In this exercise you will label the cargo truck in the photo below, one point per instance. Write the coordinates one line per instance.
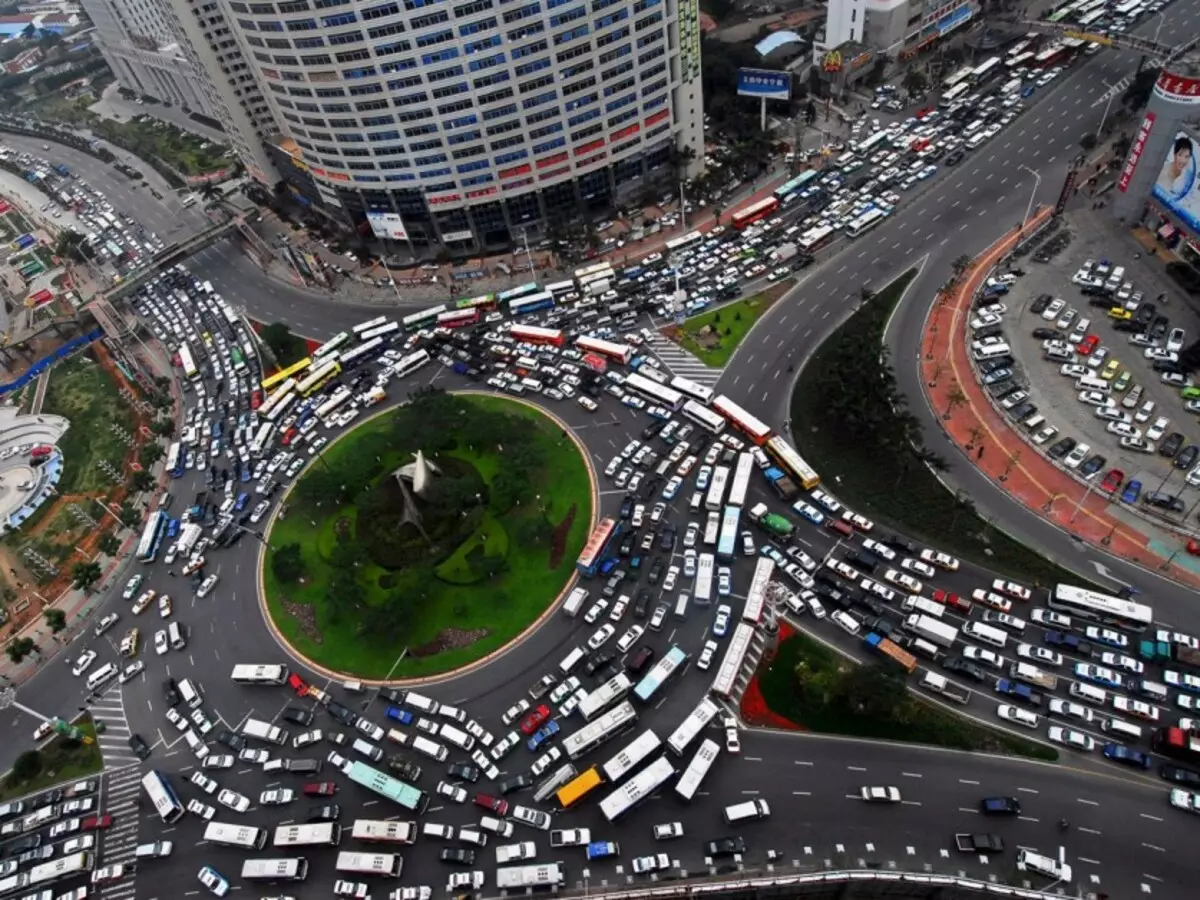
(1176, 743)
(782, 484)
(784, 252)
(931, 629)
(887, 648)
(372, 397)
(1033, 675)
(596, 288)
(771, 522)
(939, 684)
(1163, 650)
(1018, 691)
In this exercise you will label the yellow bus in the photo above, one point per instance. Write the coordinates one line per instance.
(284, 374)
(579, 787)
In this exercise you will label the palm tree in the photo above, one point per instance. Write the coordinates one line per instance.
(976, 434)
(954, 400)
(1010, 464)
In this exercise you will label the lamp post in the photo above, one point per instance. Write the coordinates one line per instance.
(1162, 20)
(1037, 183)
(1112, 93)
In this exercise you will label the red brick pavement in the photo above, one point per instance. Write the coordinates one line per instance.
(996, 450)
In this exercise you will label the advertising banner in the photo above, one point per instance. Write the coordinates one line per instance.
(1135, 152)
(1178, 187)
(1178, 88)
(387, 226)
(764, 84)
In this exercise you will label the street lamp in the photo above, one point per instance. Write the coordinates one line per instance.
(1162, 20)
(1112, 92)
(1037, 183)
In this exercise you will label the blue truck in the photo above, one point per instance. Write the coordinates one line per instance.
(782, 483)
(1018, 691)
(61, 169)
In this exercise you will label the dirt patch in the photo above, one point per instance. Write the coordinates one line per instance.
(306, 618)
(341, 527)
(558, 540)
(449, 639)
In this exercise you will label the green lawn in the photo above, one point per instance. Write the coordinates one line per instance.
(504, 606)
(82, 392)
(146, 136)
(61, 762)
(826, 703)
(902, 495)
(731, 323)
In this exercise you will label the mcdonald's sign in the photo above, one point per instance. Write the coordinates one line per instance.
(832, 62)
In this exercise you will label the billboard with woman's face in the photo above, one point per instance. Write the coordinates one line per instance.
(1178, 186)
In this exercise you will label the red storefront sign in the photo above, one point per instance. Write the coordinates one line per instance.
(1135, 152)
(482, 192)
(1178, 88)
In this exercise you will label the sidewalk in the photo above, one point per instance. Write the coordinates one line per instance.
(990, 444)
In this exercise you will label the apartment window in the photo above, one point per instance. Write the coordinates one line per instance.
(318, 59)
(346, 18)
(577, 69)
(294, 7)
(335, 107)
(623, 84)
(542, 116)
(392, 163)
(422, 146)
(313, 122)
(522, 12)
(239, 7)
(410, 99)
(352, 138)
(331, 92)
(432, 160)
(431, 19)
(617, 71)
(483, 44)
(478, 65)
(578, 102)
(330, 4)
(298, 25)
(652, 38)
(443, 74)
(379, 12)
(504, 127)
(305, 43)
(438, 37)
(470, 9)
(584, 133)
(450, 90)
(505, 158)
(489, 80)
(262, 9)
(397, 84)
(545, 131)
(393, 47)
(611, 37)
(528, 69)
(399, 65)
(465, 138)
(649, 55)
(353, 56)
(646, 21)
(500, 112)
(346, 37)
(420, 130)
(468, 152)
(621, 118)
(444, 55)
(361, 90)
(343, 123)
(529, 49)
(643, 5)
(578, 86)
(384, 136)
(363, 72)
(565, 18)
(651, 71)
(377, 121)
(536, 83)
(447, 109)
(583, 117)
(619, 16)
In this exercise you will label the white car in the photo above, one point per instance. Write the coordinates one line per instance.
(732, 742)
(176, 718)
(1050, 618)
(595, 612)
(452, 792)
(924, 569)
(1012, 589)
(161, 645)
(880, 794)
(515, 711)
(900, 579)
(213, 881)
(254, 755)
(706, 655)
(218, 761)
(203, 810)
(546, 760)
(666, 831)
(1069, 737)
(86, 658)
(202, 781)
(603, 633)
(627, 640)
(984, 656)
(671, 578)
(560, 693)
(233, 800)
(1069, 710)
(1017, 715)
(505, 745)
(1039, 654)
(1121, 661)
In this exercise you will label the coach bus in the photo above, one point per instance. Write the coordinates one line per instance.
(816, 238)
(458, 318)
(740, 485)
(561, 287)
(397, 791)
(175, 459)
(409, 364)
(384, 831)
(260, 674)
(865, 222)
(535, 875)
(355, 355)
(799, 183)
(424, 319)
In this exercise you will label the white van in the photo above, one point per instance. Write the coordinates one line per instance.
(432, 749)
(1088, 693)
(175, 636)
(681, 606)
(1154, 690)
(154, 850)
(101, 675)
(1032, 861)
(976, 139)
(457, 737)
(196, 744)
(751, 809)
(1092, 383)
(422, 703)
(453, 713)
(1122, 728)
(190, 693)
(1034, 422)
(985, 633)
(369, 750)
(991, 351)
(571, 660)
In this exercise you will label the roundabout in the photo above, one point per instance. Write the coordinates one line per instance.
(427, 537)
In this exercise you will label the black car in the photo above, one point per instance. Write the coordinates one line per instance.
(1163, 500)
(652, 429)
(1179, 775)
(516, 783)
(666, 539)
(457, 856)
(1048, 334)
(465, 771)
(1171, 444)
(330, 812)
(297, 715)
(656, 571)
(955, 157)
(597, 662)
(171, 692)
(1062, 448)
(343, 714)
(1000, 806)
(640, 660)
(232, 740)
(965, 667)
(1187, 457)
(407, 770)
(1038, 306)
(48, 799)
(642, 604)
(21, 845)
(627, 507)
(1093, 465)
(139, 747)
(726, 846)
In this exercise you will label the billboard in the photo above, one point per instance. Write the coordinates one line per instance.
(387, 226)
(1135, 152)
(1178, 88)
(1177, 187)
(764, 84)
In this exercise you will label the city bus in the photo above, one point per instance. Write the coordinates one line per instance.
(409, 364)
(1019, 47)
(362, 327)
(483, 302)
(716, 489)
(315, 379)
(962, 75)
(622, 353)
(336, 399)
(605, 696)
(727, 544)
(704, 417)
(175, 459)
(293, 868)
(654, 392)
(364, 351)
(332, 345)
(633, 755)
(425, 319)
(658, 676)
(284, 374)
(163, 797)
(816, 238)
(613, 723)
(692, 390)
(578, 788)
(458, 318)
(244, 836)
(693, 775)
(383, 331)
(397, 791)
(383, 831)
(740, 485)
(187, 362)
(69, 866)
(531, 334)
(521, 290)
(534, 875)
(754, 212)
(594, 269)
(691, 727)
(152, 536)
(277, 405)
(959, 90)
(791, 462)
(1021, 59)
(637, 789)
(606, 531)
(265, 432)
(523, 306)
(561, 287)
(747, 424)
(387, 865)
(865, 222)
(1101, 608)
(691, 239)
(259, 674)
(799, 183)
(323, 834)
(872, 142)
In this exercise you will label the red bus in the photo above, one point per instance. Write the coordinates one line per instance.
(620, 352)
(530, 334)
(754, 212)
(743, 421)
(458, 318)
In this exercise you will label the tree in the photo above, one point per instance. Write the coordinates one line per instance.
(70, 245)
(129, 514)
(55, 618)
(914, 81)
(109, 544)
(287, 347)
(954, 400)
(1088, 142)
(27, 766)
(19, 648)
(873, 692)
(163, 427)
(141, 480)
(287, 564)
(150, 454)
(85, 575)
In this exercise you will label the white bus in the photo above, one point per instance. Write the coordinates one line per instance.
(691, 239)
(384, 832)
(865, 222)
(716, 489)
(628, 759)
(536, 875)
(561, 287)
(958, 91)
(363, 351)
(1101, 608)
(282, 394)
(277, 411)
(175, 455)
(692, 390)
(689, 729)
(322, 834)
(262, 439)
(387, 865)
(637, 789)
(702, 588)
(293, 868)
(409, 364)
(259, 674)
(605, 696)
(872, 142)
(963, 74)
(588, 271)
(816, 238)
(166, 803)
(987, 69)
(704, 417)
(330, 406)
(363, 327)
(741, 480)
(332, 345)
(383, 331)
(69, 866)
(654, 392)
(608, 726)
(235, 835)
(693, 775)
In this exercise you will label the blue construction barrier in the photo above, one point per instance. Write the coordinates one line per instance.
(45, 362)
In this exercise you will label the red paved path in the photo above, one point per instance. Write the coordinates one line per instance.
(1006, 459)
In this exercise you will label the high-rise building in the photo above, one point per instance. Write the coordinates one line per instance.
(890, 27)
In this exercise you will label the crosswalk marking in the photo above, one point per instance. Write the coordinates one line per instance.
(681, 362)
(114, 743)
